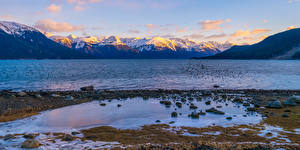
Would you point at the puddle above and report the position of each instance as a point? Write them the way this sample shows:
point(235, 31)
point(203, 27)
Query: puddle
point(133, 113)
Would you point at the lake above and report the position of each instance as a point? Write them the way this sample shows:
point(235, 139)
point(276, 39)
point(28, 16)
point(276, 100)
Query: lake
point(149, 74)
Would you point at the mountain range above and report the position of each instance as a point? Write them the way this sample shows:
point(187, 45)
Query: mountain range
point(284, 45)
point(18, 41)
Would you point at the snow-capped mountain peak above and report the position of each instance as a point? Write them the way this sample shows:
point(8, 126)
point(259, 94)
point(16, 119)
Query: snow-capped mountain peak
point(144, 44)
point(14, 28)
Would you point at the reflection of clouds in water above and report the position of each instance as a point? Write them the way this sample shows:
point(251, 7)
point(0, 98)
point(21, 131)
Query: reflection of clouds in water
point(133, 113)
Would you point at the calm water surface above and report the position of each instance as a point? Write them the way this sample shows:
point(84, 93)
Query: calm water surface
point(133, 113)
point(149, 74)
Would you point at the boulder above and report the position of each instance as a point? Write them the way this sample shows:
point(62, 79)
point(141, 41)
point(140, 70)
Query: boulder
point(174, 114)
point(31, 144)
point(87, 88)
point(29, 136)
point(21, 94)
point(215, 111)
point(68, 137)
point(69, 98)
point(296, 99)
point(289, 102)
point(55, 95)
point(8, 137)
point(274, 104)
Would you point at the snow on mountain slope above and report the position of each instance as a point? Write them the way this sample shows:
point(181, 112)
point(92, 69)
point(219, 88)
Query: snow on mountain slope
point(144, 44)
point(14, 28)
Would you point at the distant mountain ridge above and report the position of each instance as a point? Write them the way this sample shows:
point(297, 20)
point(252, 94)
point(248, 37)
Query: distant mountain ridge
point(18, 41)
point(284, 45)
point(156, 47)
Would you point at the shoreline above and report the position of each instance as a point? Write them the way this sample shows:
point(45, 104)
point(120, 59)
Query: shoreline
point(17, 105)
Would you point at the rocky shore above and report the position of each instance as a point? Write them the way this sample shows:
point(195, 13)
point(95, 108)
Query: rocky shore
point(280, 108)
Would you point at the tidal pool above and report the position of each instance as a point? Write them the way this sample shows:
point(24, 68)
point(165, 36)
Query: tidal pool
point(132, 113)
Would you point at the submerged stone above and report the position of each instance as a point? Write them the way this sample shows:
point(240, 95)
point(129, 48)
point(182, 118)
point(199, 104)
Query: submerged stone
point(87, 88)
point(31, 144)
point(274, 104)
point(178, 104)
point(296, 99)
point(215, 111)
point(174, 114)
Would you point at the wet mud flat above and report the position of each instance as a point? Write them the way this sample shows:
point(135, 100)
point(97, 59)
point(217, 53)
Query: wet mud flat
point(176, 119)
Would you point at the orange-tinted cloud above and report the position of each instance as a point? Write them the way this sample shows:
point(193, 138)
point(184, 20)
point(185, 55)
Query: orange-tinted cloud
point(212, 24)
point(195, 36)
point(133, 31)
point(53, 26)
point(53, 8)
point(181, 30)
point(245, 33)
point(8, 17)
point(152, 26)
point(258, 31)
point(79, 4)
point(216, 36)
point(291, 27)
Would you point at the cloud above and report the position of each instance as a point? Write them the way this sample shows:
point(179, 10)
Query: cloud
point(152, 26)
point(293, 1)
point(245, 33)
point(133, 31)
point(181, 30)
point(53, 8)
point(258, 31)
point(8, 17)
point(291, 27)
point(53, 26)
point(216, 36)
point(195, 36)
point(212, 24)
point(80, 4)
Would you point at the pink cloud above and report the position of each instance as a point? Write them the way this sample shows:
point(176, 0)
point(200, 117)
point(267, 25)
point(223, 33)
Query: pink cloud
point(53, 8)
point(53, 26)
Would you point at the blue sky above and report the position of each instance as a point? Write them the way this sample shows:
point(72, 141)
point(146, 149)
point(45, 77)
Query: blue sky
point(239, 21)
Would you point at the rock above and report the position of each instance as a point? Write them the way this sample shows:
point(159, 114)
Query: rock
point(238, 100)
point(166, 103)
point(274, 104)
point(68, 137)
point(202, 113)
point(246, 104)
point(157, 121)
point(8, 137)
point(102, 104)
point(190, 98)
point(172, 122)
point(287, 110)
point(285, 115)
point(216, 86)
point(29, 136)
point(251, 108)
point(289, 102)
point(178, 104)
point(38, 96)
point(21, 94)
point(207, 102)
point(295, 99)
point(192, 106)
point(87, 88)
point(75, 133)
point(219, 106)
point(69, 98)
point(194, 115)
point(229, 118)
point(54, 95)
point(31, 144)
point(215, 111)
point(119, 105)
point(174, 114)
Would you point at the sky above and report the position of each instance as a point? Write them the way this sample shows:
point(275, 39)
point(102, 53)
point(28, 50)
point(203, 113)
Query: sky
point(238, 21)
